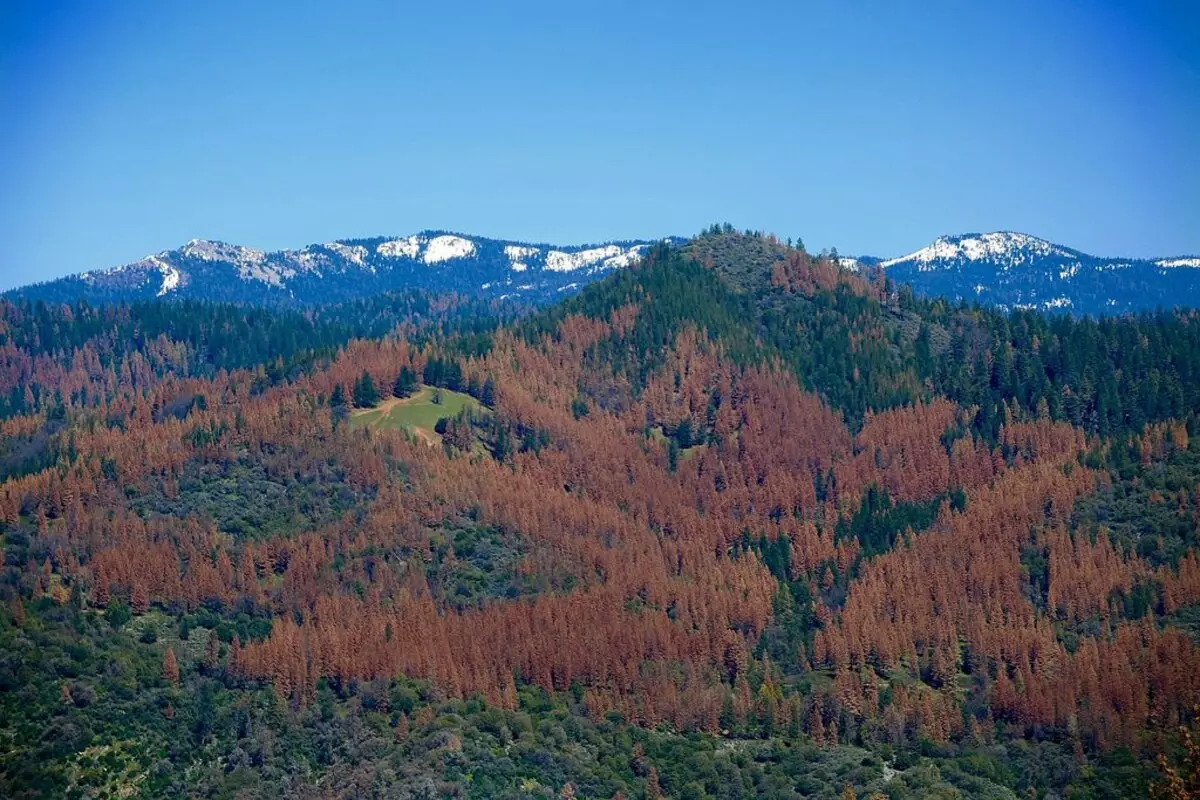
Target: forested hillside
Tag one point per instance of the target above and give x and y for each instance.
(731, 522)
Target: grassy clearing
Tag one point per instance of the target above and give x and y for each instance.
(417, 414)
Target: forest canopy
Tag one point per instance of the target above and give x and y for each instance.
(733, 521)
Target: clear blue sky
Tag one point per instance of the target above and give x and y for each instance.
(130, 127)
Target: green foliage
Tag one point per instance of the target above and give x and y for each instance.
(470, 563)
(1107, 376)
(256, 497)
(1149, 511)
(84, 711)
(673, 293)
(83, 706)
(879, 522)
(214, 336)
(422, 410)
(365, 393)
(406, 383)
(117, 613)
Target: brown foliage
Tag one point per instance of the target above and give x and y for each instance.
(660, 618)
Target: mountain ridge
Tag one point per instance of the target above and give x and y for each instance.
(1006, 269)
(346, 269)
(1015, 270)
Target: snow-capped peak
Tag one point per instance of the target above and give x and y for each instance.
(1007, 247)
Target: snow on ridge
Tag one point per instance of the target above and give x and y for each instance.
(251, 264)
(517, 252)
(271, 274)
(155, 262)
(355, 254)
(408, 247)
(1169, 263)
(446, 247)
(305, 260)
(626, 259)
(208, 250)
(560, 261)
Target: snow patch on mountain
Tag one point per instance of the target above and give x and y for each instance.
(516, 252)
(307, 260)
(559, 261)
(625, 259)
(251, 264)
(517, 255)
(1172, 263)
(444, 248)
(170, 275)
(355, 254)
(271, 274)
(208, 250)
(408, 247)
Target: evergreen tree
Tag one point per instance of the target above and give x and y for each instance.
(406, 383)
(365, 393)
(487, 395)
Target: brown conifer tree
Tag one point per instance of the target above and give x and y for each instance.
(170, 667)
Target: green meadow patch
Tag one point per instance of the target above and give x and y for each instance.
(417, 414)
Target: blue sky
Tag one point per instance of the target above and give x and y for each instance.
(132, 127)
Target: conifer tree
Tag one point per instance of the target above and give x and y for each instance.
(406, 383)
(170, 667)
(365, 393)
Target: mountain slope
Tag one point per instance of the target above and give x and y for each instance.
(348, 269)
(1016, 270)
(724, 524)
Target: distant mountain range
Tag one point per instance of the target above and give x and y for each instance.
(1016, 270)
(349, 269)
(1006, 269)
